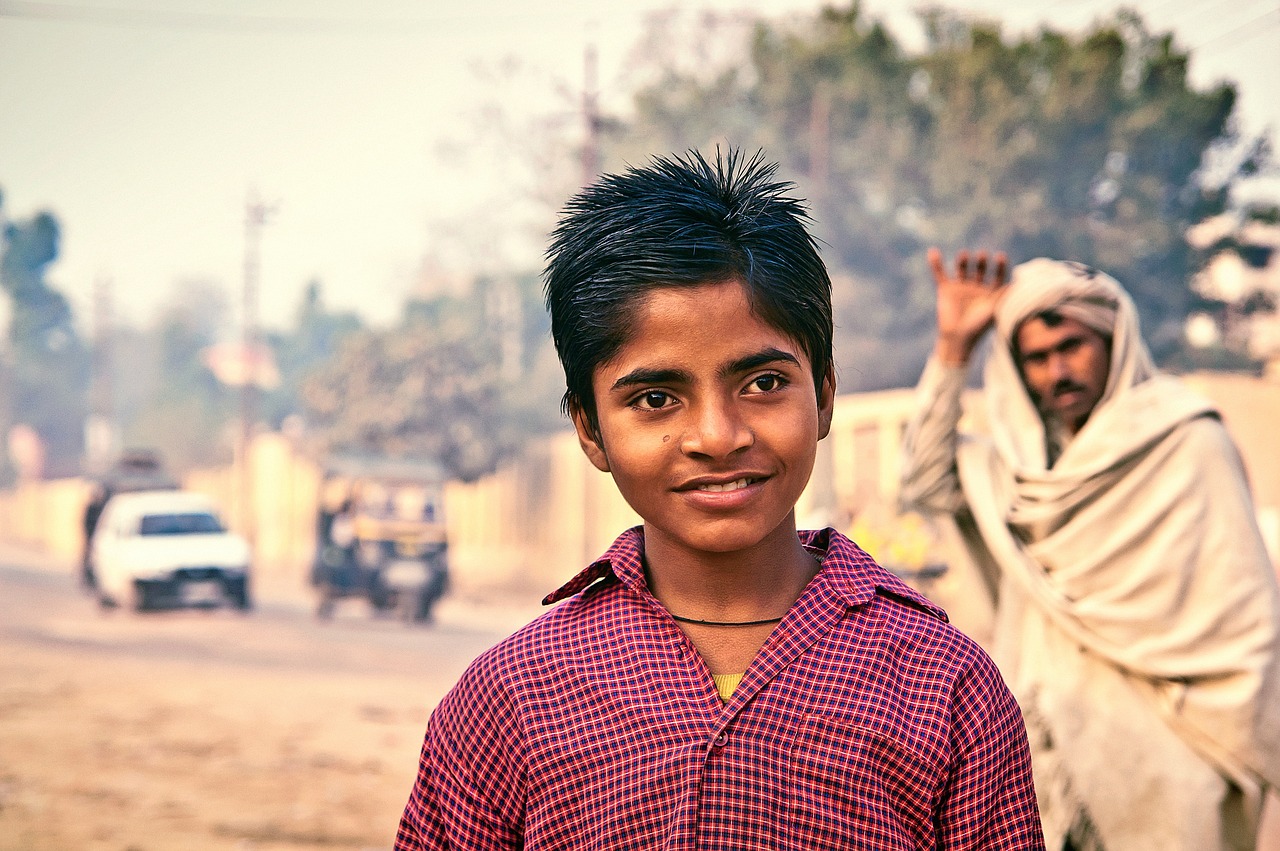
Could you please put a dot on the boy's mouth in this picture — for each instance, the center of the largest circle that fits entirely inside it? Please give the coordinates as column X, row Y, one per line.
column 723, row 487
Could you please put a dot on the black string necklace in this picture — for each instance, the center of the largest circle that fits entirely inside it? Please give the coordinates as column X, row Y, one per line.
column 816, row 557
column 724, row 623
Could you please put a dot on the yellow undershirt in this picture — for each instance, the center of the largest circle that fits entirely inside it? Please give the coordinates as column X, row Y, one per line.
column 725, row 684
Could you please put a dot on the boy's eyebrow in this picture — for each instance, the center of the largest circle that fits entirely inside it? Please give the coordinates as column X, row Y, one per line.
column 646, row 375
column 759, row 359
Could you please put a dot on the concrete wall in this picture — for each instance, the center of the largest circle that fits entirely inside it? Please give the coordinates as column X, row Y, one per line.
column 45, row 516
column 539, row 519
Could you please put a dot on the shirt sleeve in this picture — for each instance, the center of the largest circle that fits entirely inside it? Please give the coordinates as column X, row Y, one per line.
column 989, row 801
column 470, row 789
column 929, row 481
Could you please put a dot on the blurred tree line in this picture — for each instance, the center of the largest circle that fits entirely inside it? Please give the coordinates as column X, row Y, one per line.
column 1089, row 146
column 461, row 379
column 44, row 365
column 1092, row 147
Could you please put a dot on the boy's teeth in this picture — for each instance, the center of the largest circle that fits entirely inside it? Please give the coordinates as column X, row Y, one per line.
column 731, row 486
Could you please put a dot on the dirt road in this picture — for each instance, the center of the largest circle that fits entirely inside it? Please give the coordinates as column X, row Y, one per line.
column 212, row 730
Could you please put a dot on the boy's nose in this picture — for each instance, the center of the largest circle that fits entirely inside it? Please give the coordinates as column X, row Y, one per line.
column 716, row 430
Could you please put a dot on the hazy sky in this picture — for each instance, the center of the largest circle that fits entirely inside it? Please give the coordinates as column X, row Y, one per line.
column 145, row 125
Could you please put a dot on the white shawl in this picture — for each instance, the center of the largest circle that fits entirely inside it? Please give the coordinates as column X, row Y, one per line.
column 1135, row 587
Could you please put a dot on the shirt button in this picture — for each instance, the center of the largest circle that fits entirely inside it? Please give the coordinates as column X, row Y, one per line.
column 722, row 739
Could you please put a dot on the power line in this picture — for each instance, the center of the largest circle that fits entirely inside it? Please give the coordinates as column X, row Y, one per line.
column 180, row 19
column 230, row 22
column 1196, row 8
column 136, row 18
column 1249, row 24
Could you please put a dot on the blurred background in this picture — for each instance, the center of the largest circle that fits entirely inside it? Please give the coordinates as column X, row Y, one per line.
column 286, row 254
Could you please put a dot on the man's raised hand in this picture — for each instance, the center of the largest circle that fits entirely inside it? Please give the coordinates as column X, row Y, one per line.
column 967, row 300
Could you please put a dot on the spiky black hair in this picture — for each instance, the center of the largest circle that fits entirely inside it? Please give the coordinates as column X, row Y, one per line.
column 681, row 221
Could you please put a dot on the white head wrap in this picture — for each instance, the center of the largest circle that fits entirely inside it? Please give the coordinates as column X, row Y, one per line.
column 1077, row 292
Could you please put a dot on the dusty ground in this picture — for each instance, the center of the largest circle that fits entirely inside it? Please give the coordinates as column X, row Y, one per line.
column 211, row 730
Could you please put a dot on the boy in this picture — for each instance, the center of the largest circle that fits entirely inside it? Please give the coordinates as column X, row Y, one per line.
column 716, row 679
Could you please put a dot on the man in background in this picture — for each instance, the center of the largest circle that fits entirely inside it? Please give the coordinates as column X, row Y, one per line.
column 1137, row 617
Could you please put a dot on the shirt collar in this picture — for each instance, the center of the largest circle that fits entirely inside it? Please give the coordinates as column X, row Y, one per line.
column 621, row 562
column 852, row 574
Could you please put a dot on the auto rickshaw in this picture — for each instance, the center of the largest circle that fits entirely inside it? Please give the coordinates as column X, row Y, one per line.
column 381, row 536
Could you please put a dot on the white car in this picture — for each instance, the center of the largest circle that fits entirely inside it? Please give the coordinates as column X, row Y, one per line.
column 158, row 549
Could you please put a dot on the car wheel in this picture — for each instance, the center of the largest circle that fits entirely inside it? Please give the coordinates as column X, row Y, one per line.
column 429, row 594
column 423, row 602
column 324, row 608
column 140, row 597
column 239, row 594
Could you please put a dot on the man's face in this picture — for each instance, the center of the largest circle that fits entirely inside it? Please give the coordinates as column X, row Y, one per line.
column 708, row 421
column 1065, row 368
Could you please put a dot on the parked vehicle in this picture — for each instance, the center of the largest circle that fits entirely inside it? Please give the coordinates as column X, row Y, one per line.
column 381, row 536
column 135, row 470
column 168, row 549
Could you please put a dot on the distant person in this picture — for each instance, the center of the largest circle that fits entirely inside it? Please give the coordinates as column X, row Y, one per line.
column 1137, row 617
column 341, row 531
column 716, row 679
column 89, row 524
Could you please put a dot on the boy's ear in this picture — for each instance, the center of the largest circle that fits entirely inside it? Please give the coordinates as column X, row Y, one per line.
column 826, row 402
column 588, row 438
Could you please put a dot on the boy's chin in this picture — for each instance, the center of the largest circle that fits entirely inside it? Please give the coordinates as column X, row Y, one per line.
column 725, row 538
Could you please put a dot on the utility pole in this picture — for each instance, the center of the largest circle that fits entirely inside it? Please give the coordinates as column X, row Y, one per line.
column 100, row 430
column 256, row 214
column 590, row 118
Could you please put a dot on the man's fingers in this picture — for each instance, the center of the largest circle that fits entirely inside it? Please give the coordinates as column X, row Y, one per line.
column 935, row 264
column 981, row 261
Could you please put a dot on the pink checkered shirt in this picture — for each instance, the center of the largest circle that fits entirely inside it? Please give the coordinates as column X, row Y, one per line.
column 865, row 722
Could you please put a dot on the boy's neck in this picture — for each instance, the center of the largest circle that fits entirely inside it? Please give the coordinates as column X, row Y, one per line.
column 744, row 585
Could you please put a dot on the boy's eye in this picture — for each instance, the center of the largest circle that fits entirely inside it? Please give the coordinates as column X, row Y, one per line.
column 652, row 399
column 766, row 383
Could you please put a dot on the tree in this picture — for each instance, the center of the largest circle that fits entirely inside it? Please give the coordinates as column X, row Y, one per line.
column 316, row 336
column 446, row 384
column 1089, row 147
column 168, row 399
column 47, row 378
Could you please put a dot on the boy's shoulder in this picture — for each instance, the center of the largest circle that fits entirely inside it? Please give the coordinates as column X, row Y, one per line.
column 593, row 615
column 861, row 618
column 861, row 577
column 911, row 624
column 585, row 620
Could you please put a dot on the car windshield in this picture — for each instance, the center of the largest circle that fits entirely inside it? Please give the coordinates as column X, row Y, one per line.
column 185, row 523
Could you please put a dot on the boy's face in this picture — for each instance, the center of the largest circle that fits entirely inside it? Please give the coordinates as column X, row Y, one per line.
column 708, row 420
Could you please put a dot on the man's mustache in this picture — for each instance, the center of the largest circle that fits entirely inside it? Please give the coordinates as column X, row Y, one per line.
column 1060, row 388
column 1066, row 386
